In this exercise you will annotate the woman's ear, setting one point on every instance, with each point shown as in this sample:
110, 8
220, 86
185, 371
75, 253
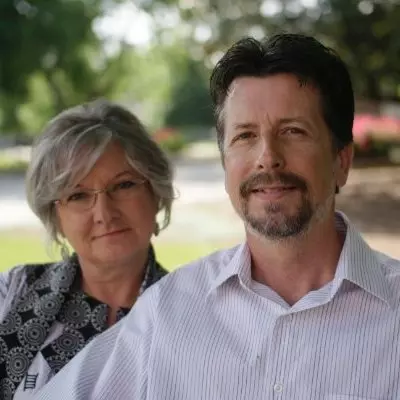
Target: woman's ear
156, 229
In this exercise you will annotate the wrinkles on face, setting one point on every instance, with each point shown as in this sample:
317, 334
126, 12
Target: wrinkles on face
276, 138
112, 231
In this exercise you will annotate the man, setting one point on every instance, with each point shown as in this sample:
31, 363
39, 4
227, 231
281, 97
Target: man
304, 309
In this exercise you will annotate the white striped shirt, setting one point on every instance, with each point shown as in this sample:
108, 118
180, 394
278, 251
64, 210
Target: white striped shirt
209, 332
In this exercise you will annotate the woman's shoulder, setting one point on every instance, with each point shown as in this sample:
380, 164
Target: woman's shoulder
15, 280
27, 271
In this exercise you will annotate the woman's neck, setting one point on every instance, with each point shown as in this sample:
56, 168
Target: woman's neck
116, 285
116, 293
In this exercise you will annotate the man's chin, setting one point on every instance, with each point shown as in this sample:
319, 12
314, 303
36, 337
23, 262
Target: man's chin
277, 225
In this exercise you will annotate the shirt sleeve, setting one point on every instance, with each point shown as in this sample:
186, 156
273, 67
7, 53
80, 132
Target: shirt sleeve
111, 367
12, 285
4, 284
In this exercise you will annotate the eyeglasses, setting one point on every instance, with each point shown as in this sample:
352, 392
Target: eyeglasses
84, 199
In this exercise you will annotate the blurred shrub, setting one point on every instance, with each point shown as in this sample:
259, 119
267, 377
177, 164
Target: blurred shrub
375, 136
170, 140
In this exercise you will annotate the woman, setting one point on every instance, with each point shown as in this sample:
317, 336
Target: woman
97, 181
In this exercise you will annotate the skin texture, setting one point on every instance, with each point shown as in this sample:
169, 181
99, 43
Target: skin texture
281, 171
112, 238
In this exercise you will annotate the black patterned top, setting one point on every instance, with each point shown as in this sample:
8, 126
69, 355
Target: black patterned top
46, 319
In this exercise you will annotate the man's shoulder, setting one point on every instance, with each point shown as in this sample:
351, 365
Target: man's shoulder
181, 292
197, 276
208, 266
389, 264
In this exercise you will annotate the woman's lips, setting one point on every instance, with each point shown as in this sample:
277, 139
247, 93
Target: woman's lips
112, 233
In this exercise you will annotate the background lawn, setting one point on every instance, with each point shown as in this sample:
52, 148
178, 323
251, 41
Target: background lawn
23, 247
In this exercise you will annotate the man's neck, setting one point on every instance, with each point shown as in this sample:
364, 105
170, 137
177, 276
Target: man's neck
294, 267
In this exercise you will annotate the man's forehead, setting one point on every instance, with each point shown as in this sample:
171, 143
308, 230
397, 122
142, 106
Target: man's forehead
258, 95
241, 86
250, 85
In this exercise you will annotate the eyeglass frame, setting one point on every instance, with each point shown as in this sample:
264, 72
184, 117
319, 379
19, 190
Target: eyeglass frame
96, 192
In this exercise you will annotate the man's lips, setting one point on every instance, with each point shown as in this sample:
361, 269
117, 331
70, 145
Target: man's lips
272, 189
272, 193
273, 184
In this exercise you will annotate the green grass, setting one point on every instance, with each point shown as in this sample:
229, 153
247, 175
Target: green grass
18, 248
173, 255
21, 248
12, 165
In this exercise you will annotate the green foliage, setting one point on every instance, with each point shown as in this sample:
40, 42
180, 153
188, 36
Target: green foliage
190, 100
170, 87
365, 33
146, 84
50, 59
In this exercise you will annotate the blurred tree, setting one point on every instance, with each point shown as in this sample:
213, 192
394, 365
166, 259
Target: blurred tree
165, 86
50, 58
364, 32
190, 103
146, 89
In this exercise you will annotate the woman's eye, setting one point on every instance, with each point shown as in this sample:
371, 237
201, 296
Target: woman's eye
78, 196
124, 185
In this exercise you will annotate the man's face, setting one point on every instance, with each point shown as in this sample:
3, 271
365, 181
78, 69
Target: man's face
280, 167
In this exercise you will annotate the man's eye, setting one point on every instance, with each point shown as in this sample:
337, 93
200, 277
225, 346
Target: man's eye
294, 131
244, 136
78, 196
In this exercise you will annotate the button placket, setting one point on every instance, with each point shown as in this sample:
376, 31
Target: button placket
280, 347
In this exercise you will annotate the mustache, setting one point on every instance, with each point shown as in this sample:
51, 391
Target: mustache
265, 178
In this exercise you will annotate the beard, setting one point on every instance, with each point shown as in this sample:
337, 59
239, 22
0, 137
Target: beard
275, 222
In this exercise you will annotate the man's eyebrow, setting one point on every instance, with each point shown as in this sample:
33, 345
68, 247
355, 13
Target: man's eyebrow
294, 119
245, 125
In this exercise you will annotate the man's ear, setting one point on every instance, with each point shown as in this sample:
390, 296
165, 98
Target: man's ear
344, 160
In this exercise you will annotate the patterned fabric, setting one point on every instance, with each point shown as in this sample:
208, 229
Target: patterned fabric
53, 294
208, 331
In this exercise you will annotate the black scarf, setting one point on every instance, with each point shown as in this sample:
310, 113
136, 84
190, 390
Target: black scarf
53, 294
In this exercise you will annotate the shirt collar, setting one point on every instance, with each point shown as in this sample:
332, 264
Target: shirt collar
239, 265
358, 264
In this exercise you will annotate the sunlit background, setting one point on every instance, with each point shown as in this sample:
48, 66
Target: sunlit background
155, 57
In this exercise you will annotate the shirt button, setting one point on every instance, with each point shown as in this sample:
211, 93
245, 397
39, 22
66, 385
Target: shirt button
278, 387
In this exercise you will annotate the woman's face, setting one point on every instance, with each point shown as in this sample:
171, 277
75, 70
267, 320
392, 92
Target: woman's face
117, 229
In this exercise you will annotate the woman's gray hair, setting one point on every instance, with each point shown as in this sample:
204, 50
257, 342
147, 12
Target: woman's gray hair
71, 144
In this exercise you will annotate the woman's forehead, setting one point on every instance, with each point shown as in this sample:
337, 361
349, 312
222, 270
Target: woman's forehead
93, 166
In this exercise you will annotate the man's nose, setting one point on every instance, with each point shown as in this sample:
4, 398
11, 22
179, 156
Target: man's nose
270, 155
